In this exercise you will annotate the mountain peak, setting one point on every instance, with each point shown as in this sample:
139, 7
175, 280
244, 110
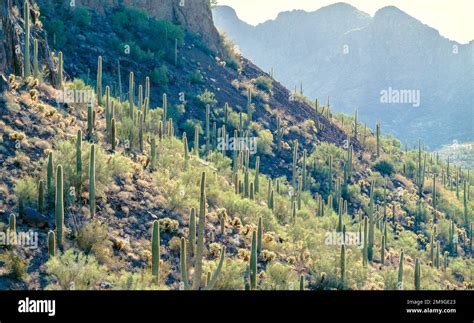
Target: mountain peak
391, 11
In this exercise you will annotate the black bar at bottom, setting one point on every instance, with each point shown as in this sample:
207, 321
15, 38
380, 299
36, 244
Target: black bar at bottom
449, 306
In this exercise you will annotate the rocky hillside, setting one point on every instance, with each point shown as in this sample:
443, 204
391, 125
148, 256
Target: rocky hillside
125, 194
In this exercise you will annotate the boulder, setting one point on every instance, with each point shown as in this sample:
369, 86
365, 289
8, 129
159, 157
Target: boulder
35, 219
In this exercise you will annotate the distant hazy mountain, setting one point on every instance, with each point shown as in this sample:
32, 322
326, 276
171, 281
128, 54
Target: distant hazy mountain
364, 62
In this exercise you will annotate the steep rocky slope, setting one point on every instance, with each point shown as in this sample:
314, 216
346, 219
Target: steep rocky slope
109, 214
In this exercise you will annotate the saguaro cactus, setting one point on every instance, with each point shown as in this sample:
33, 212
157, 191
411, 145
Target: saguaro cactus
370, 248
343, 265
60, 70
259, 235
378, 138
99, 80
155, 250
196, 141
294, 167
186, 150
200, 240
192, 231
400, 272
92, 182
40, 196
183, 263
35, 60
364, 248
59, 206
49, 179
79, 161
51, 244
26, 18
113, 133
12, 223
153, 154
417, 274
253, 262
257, 175
90, 121
131, 94
197, 279
382, 251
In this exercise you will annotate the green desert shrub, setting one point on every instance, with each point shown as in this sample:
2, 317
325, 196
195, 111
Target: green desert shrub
74, 270
93, 237
385, 168
279, 276
26, 190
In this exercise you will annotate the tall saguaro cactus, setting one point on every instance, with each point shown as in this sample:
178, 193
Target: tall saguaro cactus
79, 161
92, 182
400, 272
26, 18
370, 246
378, 131
51, 244
200, 238
49, 180
99, 80
155, 250
35, 60
417, 274
131, 94
253, 262
343, 265
59, 206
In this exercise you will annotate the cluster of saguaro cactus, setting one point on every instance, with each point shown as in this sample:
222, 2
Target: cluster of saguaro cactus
198, 246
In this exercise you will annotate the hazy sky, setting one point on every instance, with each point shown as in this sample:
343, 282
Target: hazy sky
453, 18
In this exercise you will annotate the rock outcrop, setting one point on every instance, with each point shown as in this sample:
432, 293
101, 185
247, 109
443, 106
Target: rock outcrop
194, 15
12, 40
